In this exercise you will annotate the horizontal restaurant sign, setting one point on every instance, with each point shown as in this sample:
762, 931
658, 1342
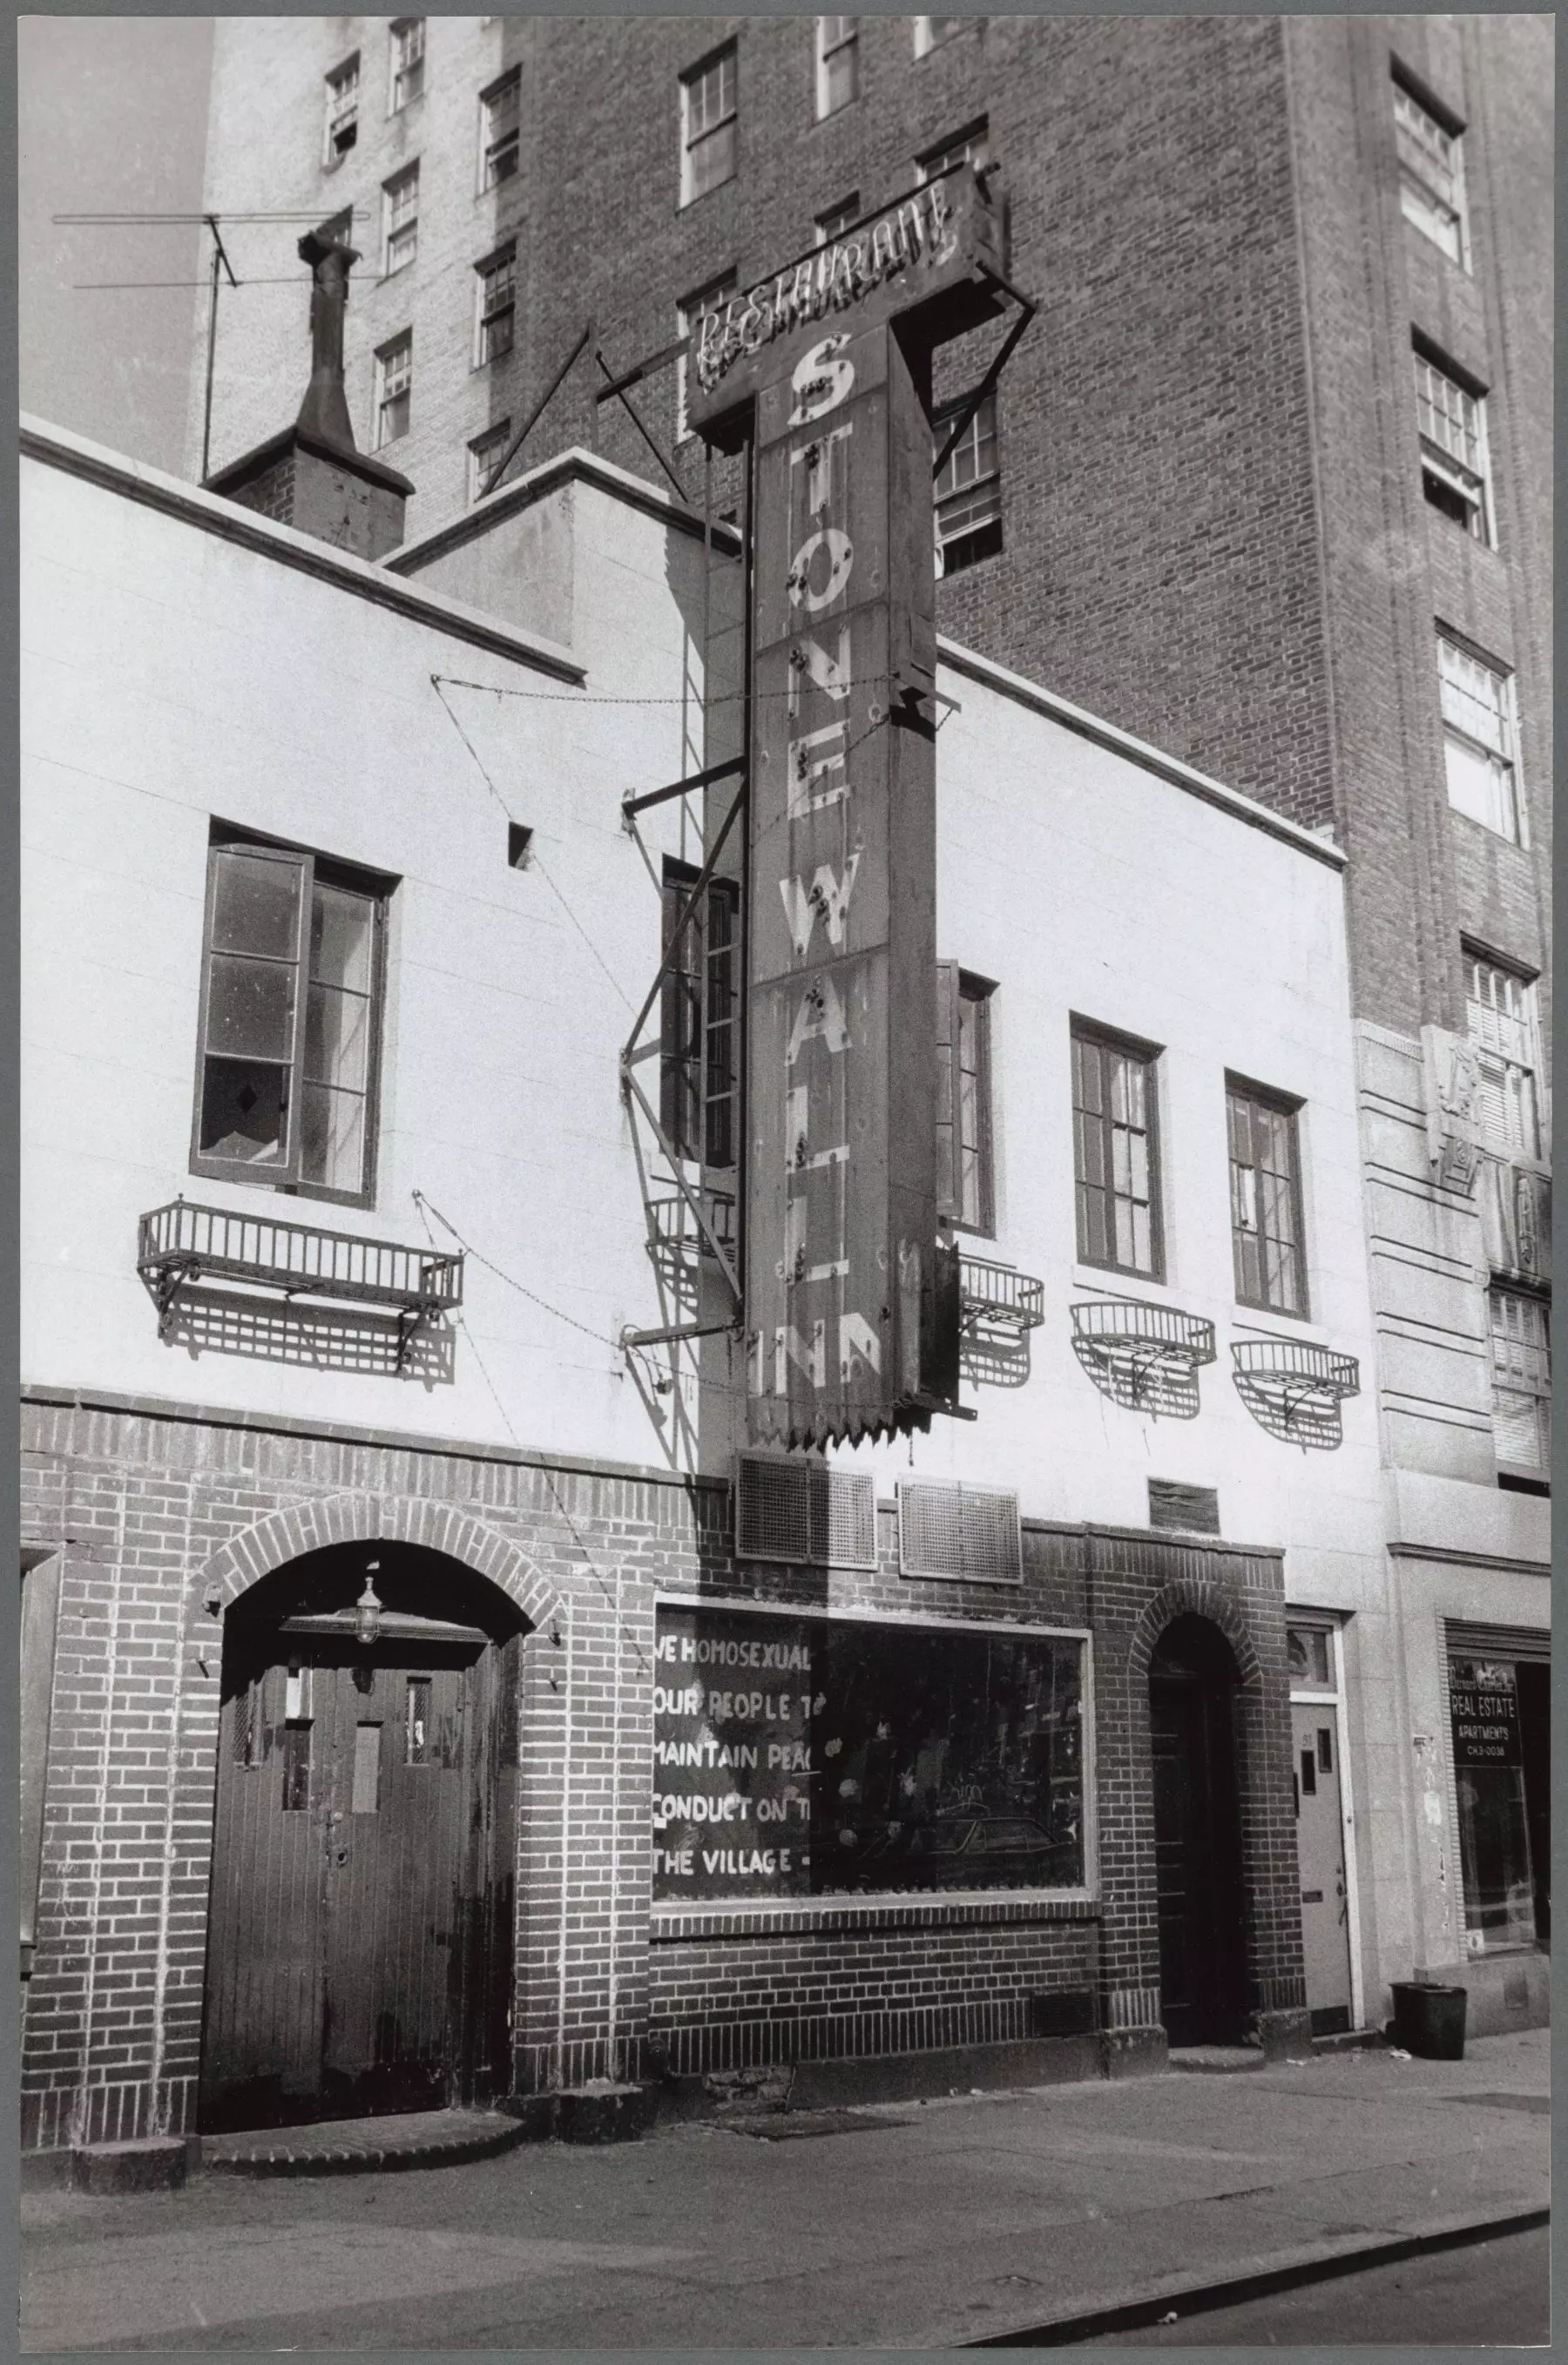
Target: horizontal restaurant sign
935, 242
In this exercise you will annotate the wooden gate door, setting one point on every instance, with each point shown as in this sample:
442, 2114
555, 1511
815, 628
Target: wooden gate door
360, 1943
1196, 1854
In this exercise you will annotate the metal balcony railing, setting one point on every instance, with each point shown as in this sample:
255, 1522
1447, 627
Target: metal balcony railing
183, 1243
996, 1298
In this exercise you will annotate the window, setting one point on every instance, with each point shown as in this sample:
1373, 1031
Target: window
967, 489
1265, 1200
688, 312
835, 220
400, 221
1500, 1723
965, 1182
838, 63
485, 456
342, 110
971, 146
1455, 476
1479, 740
495, 305
873, 1757
1501, 1019
1309, 1651
1431, 174
708, 124
1521, 1380
499, 135
291, 989
930, 32
1116, 1152
394, 385
339, 230
699, 1045
417, 1748
408, 63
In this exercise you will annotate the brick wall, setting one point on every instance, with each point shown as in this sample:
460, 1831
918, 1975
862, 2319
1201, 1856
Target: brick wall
163, 1517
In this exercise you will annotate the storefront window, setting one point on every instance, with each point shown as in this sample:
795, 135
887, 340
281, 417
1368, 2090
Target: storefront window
800, 1758
1493, 1824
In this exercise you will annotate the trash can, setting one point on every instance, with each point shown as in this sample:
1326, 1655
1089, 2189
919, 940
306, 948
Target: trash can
1429, 2021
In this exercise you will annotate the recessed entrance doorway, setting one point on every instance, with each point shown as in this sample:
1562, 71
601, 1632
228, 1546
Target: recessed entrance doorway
360, 1928
1197, 1836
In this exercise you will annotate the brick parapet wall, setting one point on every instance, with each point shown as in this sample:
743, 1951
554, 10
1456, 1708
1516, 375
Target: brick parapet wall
162, 1520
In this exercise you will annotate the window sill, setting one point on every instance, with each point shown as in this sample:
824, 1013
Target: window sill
790, 1916
1116, 1281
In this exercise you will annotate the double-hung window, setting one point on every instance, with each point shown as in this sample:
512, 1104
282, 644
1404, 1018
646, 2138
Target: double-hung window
1265, 1198
930, 32
408, 63
689, 311
400, 221
499, 130
971, 146
1431, 174
838, 63
1115, 1151
1521, 1380
966, 1190
834, 221
708, 97
394, 388
1455, 475
1500, 1014
1480, 739
698, 1017
486, 453
342, 110
291, 990
495, 305
968, 487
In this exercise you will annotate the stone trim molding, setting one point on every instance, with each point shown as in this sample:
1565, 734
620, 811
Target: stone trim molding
305, 1527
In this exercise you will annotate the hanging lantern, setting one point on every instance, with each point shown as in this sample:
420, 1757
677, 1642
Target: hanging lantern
367, 1608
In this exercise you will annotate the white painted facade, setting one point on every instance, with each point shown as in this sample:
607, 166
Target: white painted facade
185, 661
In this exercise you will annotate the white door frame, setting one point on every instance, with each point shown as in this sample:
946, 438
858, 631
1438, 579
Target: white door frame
1314, 1695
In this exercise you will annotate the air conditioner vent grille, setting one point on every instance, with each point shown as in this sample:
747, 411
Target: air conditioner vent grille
802, 1512
952, 1530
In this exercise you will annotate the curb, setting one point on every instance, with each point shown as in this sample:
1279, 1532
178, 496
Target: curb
1321, 2263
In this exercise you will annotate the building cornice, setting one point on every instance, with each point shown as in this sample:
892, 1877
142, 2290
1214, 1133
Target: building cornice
1149, 760
54, 447
574, 465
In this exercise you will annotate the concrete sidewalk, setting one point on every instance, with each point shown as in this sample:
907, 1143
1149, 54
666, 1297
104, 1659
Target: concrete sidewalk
907, 2227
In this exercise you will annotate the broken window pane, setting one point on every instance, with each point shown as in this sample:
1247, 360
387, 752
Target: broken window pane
244, 1110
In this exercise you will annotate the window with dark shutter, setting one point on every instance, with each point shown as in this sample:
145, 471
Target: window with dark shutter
698, 1015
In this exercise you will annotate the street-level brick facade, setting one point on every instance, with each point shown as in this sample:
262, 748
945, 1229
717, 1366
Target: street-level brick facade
164, 1516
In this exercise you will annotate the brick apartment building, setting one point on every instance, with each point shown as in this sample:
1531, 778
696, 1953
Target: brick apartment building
1267, 481
449, 1508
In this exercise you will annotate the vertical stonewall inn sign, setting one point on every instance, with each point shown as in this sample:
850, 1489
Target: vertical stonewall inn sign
851, 1305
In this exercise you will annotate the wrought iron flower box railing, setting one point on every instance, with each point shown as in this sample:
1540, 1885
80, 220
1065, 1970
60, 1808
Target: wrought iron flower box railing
182, 1243
997, 1301
1294, 1388
1143, 1357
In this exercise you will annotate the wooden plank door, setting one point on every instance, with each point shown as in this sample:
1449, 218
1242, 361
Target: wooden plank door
360, 1943
261, 2048
403, 1763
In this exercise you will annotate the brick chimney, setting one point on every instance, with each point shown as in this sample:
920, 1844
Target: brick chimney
310, 476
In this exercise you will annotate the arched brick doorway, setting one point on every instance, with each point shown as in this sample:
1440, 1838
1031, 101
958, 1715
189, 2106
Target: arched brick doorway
360, 1920
1192, 1683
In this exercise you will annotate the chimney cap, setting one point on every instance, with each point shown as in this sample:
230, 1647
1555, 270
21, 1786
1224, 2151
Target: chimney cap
314, 249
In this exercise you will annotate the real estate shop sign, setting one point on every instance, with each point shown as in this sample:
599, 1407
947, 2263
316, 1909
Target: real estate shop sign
845, 1298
